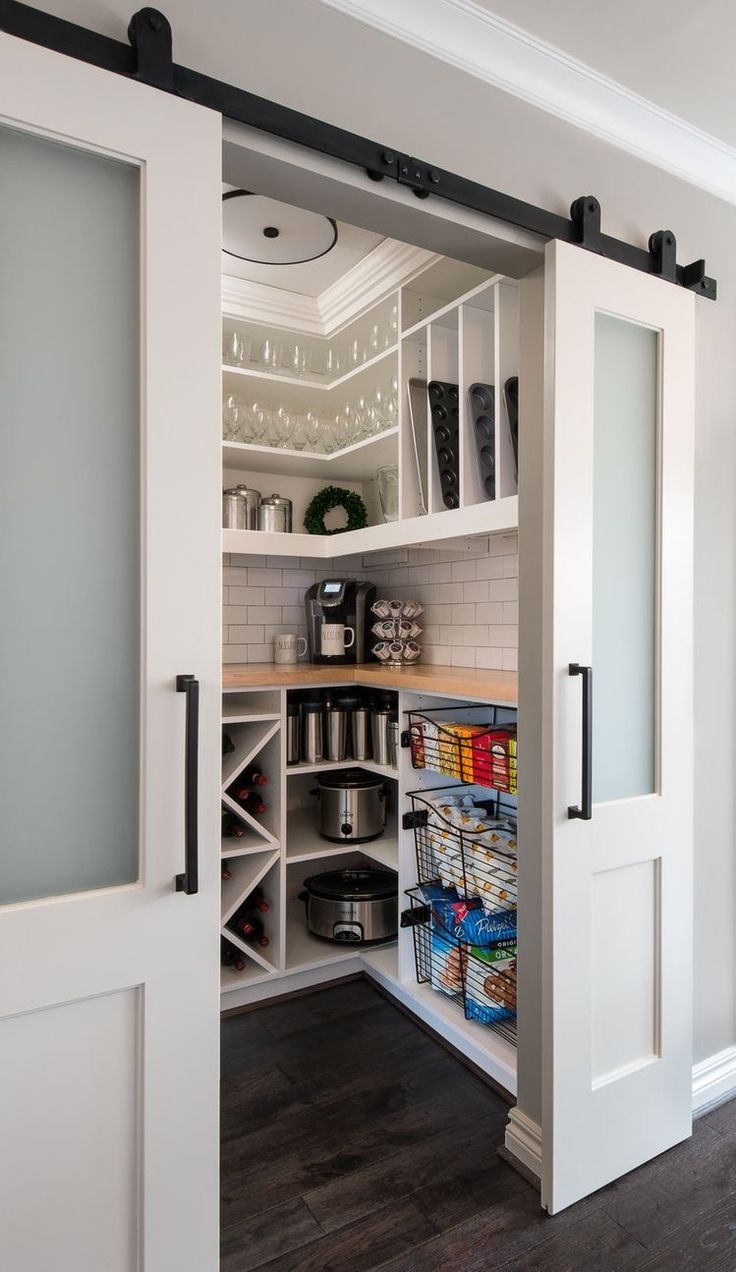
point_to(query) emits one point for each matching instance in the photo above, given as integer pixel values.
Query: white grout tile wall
(469, 591)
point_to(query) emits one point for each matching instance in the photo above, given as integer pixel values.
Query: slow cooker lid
(353, 885)
(350, 779)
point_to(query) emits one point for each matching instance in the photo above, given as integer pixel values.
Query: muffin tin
(483, 406)
(511, 394)
(444, 404)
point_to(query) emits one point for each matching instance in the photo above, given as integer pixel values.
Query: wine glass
(235, 348)
(258, 423)
(271, 354)
(340, 430)
(284, 427)
(313, 429)
(231, 415)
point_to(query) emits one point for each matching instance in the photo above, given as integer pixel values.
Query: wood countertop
(462, 682)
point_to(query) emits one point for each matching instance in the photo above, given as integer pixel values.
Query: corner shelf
(361, 460)
(495, 516)
(325, 766)
(249, 739)
(304, 386)
(302, 831)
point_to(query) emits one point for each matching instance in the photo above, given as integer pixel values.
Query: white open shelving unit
(456, 323)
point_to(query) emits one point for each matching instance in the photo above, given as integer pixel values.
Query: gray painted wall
(307, 56)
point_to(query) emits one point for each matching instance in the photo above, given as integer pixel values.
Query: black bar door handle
(189, 881)
(585, 810)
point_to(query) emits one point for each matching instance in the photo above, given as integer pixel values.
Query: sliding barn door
(109, 578)
(617, 842)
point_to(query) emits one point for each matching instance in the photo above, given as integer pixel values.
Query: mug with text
(334, 639)
(286, 648)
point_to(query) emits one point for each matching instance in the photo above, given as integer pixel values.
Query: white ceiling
(314, 277)
(677, 53)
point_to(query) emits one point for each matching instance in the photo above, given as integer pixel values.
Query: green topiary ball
(335, 497)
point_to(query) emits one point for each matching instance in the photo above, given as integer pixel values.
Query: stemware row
(264, 423)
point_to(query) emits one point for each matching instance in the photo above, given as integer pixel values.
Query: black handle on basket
(585, 810)
(417, 915)
(189, 881)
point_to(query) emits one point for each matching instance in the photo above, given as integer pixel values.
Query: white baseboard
(714, 1079)
(524, 1141)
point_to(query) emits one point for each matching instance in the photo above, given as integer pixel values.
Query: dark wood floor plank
(675, 1188)
(362, 1246)
(273, 1233)
(435, 1162)
(721, 1119)
(704, 1245)
(594, 1244)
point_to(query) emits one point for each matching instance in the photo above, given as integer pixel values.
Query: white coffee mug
(286, 648)
(334, 639)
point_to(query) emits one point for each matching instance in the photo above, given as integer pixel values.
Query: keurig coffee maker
(336, 604)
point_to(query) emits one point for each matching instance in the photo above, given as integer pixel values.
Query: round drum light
(267, 232)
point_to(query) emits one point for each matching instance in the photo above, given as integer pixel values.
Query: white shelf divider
(325, 766)
(247, 873)
(249, 739)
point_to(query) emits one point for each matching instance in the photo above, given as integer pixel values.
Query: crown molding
(384, 269)
(464, 35)
(272, 306)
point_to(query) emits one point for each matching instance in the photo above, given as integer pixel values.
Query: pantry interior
(586, 365)
(317, 391)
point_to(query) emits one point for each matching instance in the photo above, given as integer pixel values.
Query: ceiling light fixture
(266, 232)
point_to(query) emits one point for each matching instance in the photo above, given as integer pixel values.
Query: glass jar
(388, 492)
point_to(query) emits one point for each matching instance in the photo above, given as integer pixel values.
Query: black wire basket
(475, 748)
(466, 841)
(479, 976)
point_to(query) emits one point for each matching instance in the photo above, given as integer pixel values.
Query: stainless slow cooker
(352, 905)
(352, 806)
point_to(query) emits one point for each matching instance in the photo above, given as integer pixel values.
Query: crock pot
(352, 906)
(352, 806)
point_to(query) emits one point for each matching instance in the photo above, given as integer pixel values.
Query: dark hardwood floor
(352, 1141)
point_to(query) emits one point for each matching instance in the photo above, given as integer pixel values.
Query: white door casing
(616, 948)
(109, 998)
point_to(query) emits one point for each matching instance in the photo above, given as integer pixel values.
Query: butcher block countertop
(458, 682)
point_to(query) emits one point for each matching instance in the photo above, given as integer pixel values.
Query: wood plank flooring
(352, 1141)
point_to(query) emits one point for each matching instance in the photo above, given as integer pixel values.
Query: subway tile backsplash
(469, 592)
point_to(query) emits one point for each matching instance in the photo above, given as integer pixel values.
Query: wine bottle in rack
(251, 777)
(225, 871)
(228, 745)
(231, 827)
(230, 955)
(250, 801)
(257, 901)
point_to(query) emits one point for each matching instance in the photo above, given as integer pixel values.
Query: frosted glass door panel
(624, 558)
(69, 519)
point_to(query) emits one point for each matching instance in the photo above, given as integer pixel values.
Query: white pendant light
(267, 232)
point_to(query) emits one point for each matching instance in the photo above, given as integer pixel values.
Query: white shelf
(247, 872)
(383, 959)
(305, 951)
(326, 765)
(304, 842)
(495, 516)
(251, 842)
(252, 974)
(361, 460)
(303, 387)
(232, 713)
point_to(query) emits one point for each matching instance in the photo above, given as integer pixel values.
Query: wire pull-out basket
(479, 748)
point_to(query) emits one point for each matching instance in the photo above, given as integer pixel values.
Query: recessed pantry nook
(383, 359)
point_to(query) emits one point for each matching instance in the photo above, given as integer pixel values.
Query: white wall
(302, 54)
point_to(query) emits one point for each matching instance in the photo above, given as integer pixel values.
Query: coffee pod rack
(397, 632)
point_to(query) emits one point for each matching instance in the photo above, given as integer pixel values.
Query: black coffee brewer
(339, 602)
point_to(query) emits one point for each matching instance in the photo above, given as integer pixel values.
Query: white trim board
(470, 38)
(714, 1081)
